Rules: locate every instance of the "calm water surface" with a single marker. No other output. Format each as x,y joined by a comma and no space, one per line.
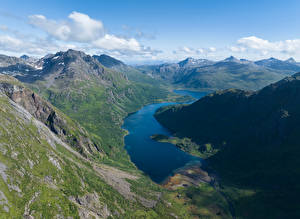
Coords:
156,159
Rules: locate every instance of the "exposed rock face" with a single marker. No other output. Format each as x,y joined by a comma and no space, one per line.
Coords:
89,206
70,64
6,61
46,113
117,179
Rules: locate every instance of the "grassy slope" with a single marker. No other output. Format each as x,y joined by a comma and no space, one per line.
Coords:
23,144
50,188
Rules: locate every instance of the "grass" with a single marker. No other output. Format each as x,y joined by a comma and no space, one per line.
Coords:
187,145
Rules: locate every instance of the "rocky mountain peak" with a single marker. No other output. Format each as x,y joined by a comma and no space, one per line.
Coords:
231,59
192,62
187,61
291,60
25,57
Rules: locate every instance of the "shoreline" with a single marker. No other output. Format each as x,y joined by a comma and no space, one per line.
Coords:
189,175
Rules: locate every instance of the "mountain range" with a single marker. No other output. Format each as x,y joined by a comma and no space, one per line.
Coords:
228,73
197,74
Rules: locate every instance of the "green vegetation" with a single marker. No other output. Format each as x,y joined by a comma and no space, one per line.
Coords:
40,174
101,110
187,145
256,135
197,202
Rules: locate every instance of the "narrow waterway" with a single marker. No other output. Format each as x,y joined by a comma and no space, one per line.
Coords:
156,159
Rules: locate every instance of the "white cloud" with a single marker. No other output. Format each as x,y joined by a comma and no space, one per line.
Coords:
90,34
111,42
188,51
237,49
36,46
212,49
79,28
8,42
266,46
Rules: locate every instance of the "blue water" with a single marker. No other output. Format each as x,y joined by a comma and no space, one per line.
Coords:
157,160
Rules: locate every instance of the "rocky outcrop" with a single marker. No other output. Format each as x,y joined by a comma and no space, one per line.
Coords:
72,134
89,206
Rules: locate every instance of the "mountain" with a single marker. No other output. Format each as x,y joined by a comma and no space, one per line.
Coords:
24,57
6,61
133,74
25,67
191,62
290,64
228,73
291,60
108,61
256,137
173,72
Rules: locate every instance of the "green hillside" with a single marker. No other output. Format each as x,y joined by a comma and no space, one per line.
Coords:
256,135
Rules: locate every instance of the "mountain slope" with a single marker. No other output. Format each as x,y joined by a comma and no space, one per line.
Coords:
58,123
43,176
108,61
257,136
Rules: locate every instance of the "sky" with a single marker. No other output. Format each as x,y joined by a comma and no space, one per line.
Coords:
142,31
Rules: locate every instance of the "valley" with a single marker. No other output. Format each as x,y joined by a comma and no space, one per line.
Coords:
149,109
255,142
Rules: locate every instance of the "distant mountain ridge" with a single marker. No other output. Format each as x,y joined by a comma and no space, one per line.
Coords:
228,73
189,73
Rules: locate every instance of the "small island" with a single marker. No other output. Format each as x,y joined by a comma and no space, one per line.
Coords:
187,145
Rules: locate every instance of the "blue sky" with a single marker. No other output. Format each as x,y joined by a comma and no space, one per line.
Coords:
149,31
